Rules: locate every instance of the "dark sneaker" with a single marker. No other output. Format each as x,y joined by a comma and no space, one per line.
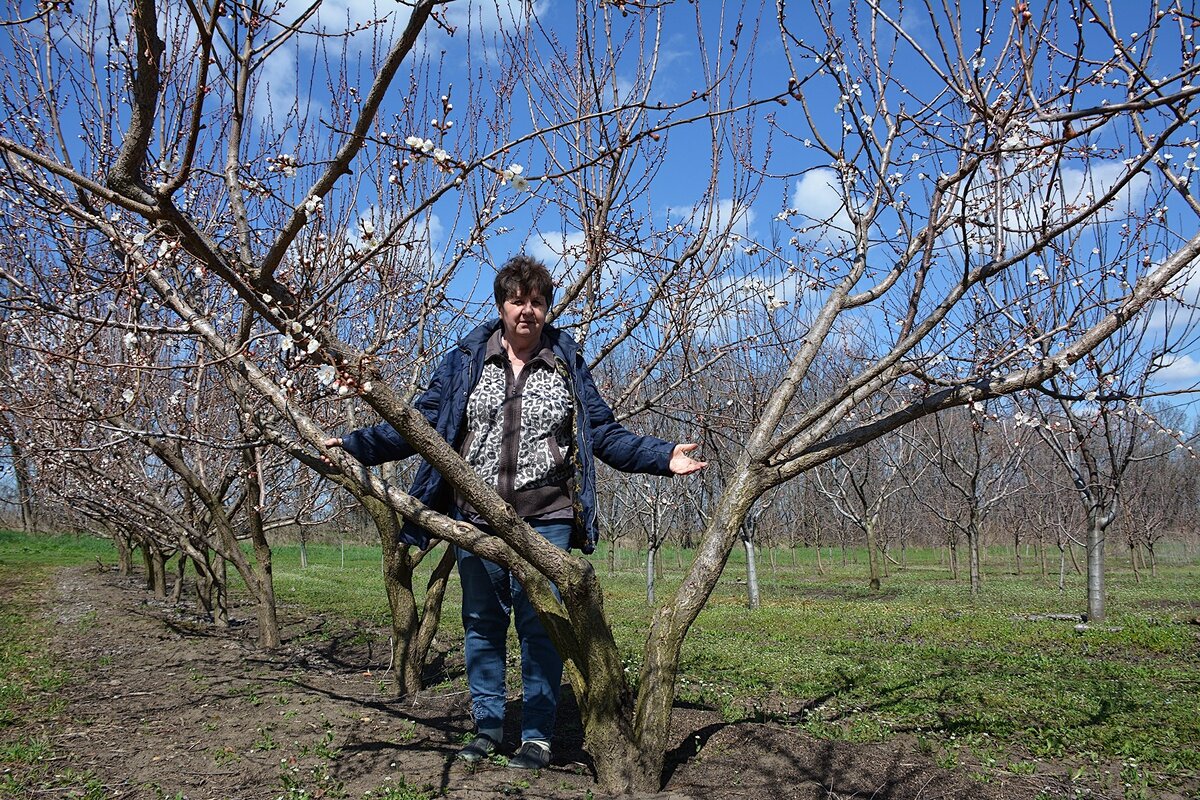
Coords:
480,748
530,755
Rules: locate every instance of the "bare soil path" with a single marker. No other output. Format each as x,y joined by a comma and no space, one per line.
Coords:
160,706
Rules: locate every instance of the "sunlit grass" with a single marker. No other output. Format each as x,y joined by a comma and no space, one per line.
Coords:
29,675
921,657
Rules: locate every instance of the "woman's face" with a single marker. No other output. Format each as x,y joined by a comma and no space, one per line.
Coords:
523,316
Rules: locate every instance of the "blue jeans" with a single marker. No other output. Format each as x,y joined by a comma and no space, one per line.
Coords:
490,594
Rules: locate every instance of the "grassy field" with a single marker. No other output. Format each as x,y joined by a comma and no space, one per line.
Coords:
28,675
972,681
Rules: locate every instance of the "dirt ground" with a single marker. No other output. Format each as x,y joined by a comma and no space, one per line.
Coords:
161,706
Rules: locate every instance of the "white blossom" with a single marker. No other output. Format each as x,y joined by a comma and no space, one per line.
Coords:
127,395
313,205
510,172
327,374
130,339
286,342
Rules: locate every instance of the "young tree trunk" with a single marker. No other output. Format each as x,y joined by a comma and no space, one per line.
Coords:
873,555
1017,551
973,558
751,573
1153,560
1133,561
1062,567
651,549
263,574
1095,573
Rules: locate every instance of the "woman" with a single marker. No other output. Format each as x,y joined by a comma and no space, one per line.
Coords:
517,400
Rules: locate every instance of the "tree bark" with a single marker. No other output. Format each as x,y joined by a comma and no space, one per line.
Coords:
1095,573
873,555
650,551
973,557
124,553
752,593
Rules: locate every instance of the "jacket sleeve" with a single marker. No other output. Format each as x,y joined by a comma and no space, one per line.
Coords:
381,443
614,444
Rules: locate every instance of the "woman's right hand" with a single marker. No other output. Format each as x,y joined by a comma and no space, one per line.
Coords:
334,443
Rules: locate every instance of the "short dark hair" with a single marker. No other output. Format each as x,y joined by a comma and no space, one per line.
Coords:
523,275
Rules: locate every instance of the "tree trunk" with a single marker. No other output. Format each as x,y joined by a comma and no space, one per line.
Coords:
412,632
1062,567
1153,560
873,555
124,554
973,559
303,550
1017,551
263,574
1095,573
156,574
751,573
1133,561
650,551
180,571
23,487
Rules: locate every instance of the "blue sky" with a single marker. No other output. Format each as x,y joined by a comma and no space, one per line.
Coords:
772,180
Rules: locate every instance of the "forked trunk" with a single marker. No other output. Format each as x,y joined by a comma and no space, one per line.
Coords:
412,631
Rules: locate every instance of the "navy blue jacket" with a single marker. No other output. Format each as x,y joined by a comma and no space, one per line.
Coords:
444,404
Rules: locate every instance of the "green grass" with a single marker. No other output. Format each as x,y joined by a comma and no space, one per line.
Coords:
29,677
920,658
970,680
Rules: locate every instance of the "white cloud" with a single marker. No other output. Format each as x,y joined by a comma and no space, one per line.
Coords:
818,200
494,16
275,94
1025,192
561,251
724,218
1178,371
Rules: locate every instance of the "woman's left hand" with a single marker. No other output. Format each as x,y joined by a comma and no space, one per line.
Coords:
684,464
